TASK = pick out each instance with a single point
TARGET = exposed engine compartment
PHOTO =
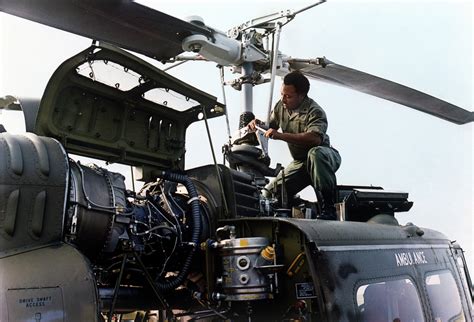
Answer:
(162, 245)
(185, 242)
(163, 233)
(105, 220)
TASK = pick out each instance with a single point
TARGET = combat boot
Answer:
(328, 210)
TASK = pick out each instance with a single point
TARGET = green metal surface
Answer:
(96, 119)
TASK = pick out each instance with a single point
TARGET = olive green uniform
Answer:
(314, 166)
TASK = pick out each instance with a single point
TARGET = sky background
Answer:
(426, 45)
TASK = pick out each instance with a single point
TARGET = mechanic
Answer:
(303, 125)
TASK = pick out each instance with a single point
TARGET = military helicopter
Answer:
(117, 251)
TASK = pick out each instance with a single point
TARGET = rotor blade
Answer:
(121, 22)
(379, 87)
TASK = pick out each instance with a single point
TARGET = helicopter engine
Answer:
(162, 242)
(164, 230)
(106, 221)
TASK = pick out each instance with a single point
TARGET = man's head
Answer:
(294, 89)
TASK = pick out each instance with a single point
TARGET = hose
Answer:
(196, 220)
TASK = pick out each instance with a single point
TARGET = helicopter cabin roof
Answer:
(340, 233)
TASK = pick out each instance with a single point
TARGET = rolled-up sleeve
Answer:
(275, 117)
(316, 121)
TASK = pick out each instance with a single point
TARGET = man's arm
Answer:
(306, 139)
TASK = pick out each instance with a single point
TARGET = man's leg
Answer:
(296, 179)
(322, 164)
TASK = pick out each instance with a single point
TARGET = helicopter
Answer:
(306, 303)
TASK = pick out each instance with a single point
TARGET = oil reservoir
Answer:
(242, 280)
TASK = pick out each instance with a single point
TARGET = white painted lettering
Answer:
(419, 258)
(397, 257)
(410, 258)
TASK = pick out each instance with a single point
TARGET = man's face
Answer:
(290, 98)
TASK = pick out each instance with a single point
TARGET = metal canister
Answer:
(242, 280)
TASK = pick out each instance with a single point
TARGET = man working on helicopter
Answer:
(303, 125)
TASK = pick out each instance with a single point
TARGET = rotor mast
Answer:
(247, 87)
(242, 49)
(271, 24)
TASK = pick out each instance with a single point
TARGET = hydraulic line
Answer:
(196, 220)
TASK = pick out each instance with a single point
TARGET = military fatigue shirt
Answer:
(307, 117)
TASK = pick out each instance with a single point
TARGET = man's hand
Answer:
(308, 139)
(272, 134)
(253, 124)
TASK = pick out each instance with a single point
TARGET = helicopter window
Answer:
(444, 297)
(110, 74)
(391, 301)
(125, 79)
(170, 98)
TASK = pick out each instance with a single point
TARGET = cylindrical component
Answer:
(247, 87)
(268, 254)
(242, 280)
(266, 258)
(95, 197)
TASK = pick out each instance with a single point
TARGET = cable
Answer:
(219, 178)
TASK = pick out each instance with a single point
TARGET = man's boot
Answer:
(328, 210)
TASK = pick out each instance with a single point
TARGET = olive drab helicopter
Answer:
(201, 243)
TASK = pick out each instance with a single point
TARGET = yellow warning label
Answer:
(244, 242)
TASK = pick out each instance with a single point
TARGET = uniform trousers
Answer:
(318, 170)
